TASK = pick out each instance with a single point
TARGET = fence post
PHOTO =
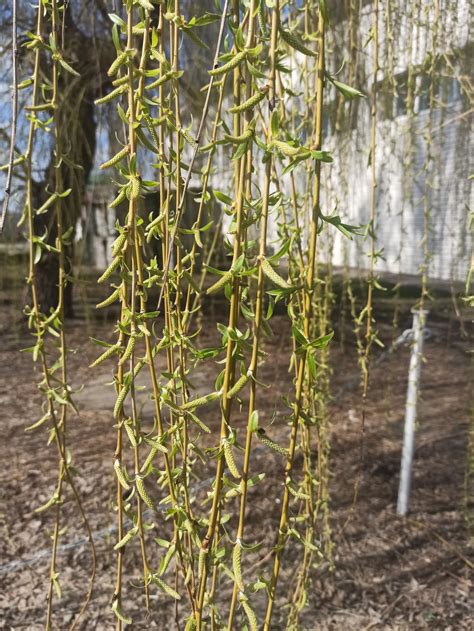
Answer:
(419, 321)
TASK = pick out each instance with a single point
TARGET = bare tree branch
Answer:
(8, 184)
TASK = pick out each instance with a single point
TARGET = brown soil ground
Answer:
(390, 573)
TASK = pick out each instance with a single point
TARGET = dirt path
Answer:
(389, 573)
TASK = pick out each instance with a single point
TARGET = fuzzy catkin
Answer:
(165, 587)
(126, 538)
(272, 275)
(120, 240)
(263, 438)
(251, 617)
(229, 458)
(217, 286)
(299, 495)
(109, 300)
(135, 186)
(119, 61)
(190, 624)
(250, 103)
(119, 199)
(52, 500)
(116, 158)
(290, 151)
(108, 353)
(163, 79)
(128, 350)
(120, 80)
(110, 270)
(116, 608)
(230, 65)
(238, 140)
(237, 564)
(120, 399)
(149, 459)
(120, 475)
(111, 95)
(131, 434)
(261, 17)
(142, 492)
(202, 561)
(238, 385)
(296, 43)
(195, 403)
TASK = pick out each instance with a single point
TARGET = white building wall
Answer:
(409, 183)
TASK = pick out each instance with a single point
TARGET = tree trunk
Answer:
(77, 125)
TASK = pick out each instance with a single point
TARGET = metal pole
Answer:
(419, 320)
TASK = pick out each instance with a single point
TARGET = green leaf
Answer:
(323, 341)
(69, 68)
(253, 421)
(222, 197)
(346, 90)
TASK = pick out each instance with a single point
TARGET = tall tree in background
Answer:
(88, 52)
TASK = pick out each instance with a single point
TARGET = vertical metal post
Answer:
(419, 320)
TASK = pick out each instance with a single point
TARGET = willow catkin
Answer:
(142, 492)
(165, 587)
(149, 459)
(195, 403)
(290, 151)
(120, 399)
(105, 355)
(263, 438)
(116, 158)
(129, 349)
(217, 286)
(126, 538)
(151, 128)
(292, 488)
(202, 561)
(296, 43)
(238, 385)
(120, 240)
(119, 61)
(230, 65)
(109, 300)
(250, 103)
(272, 275)
(190, 624)
(52, 500)
(237, 564)
(160, 81)
(229, 458)
(111, 95)
(110, 270)
(135, 186)
(261, 17)
(244, 137)
(251, 617)
(131, 434)
(121, 475)
(122, 196)
(116, 608)
(120, 80)
(199, 423)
